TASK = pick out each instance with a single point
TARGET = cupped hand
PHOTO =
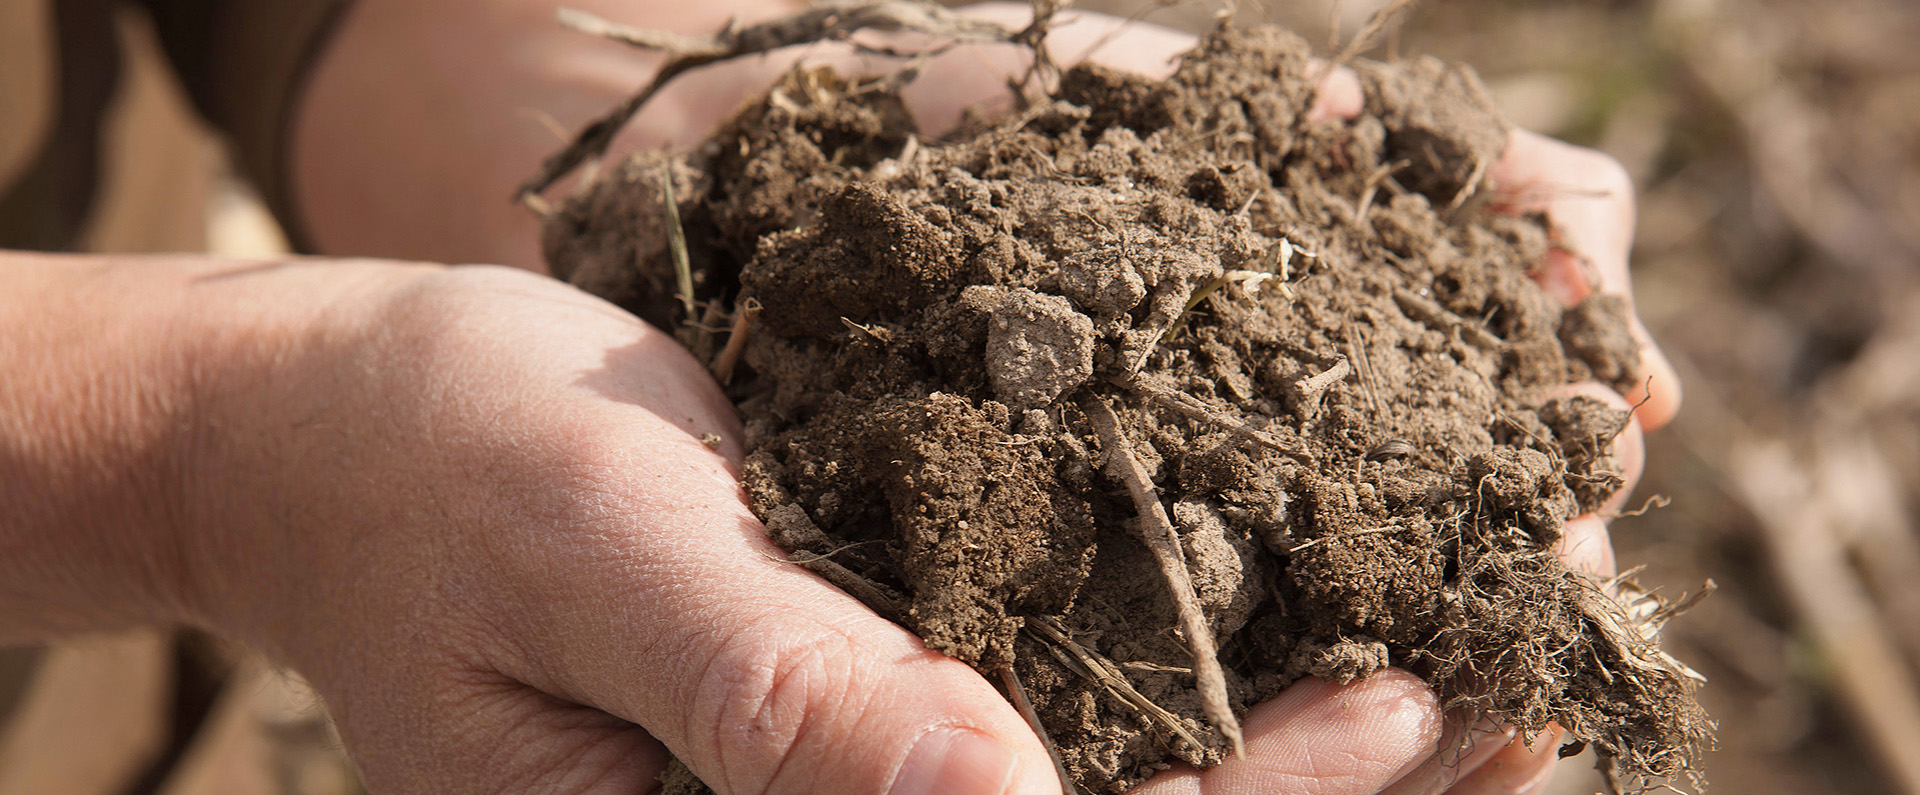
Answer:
(496, 522)
(513, 564)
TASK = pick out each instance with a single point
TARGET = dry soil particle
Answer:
(1327, 359)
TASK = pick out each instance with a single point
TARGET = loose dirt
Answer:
(988, 374)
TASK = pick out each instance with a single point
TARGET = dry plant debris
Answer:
(962, 346)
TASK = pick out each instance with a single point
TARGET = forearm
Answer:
(115, 371)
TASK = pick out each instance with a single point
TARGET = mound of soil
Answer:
(1151, 361)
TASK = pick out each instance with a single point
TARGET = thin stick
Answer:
(1374, 531)
(1358, 353)
(677, 242)
(1334, 10)
(1191, 407)
(1157, 531)
(1436, 316)
(855, 585)
(736, 341)
(1017, 693)
(702, 345)
(1310, 387)
(1087, 663)
(1374, 179)
(1473, 180)
(1364, 38)
(1358, 43)
(790, 527)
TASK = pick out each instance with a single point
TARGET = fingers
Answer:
(557, 521)
(951, 84)
(1317, 738)
(1454, 760)
(1519, 769)
(1340, 96)
(460, 732)
(1589, 198)
(1585, 545)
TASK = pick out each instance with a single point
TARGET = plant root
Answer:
(729, 357)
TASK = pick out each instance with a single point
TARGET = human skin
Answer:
(471, 504)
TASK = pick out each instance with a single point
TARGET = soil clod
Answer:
(1062, 389)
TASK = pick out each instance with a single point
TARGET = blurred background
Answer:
(1776, 146)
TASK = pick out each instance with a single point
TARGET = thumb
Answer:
(757, 674)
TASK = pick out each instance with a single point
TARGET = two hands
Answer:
(473, 507)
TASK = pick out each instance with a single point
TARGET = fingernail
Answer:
(955, 762)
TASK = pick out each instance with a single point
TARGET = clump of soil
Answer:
(1150, 358)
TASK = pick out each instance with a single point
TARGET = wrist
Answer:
(121, 370)
(278, 359)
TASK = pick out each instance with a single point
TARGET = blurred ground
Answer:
(1776, 145)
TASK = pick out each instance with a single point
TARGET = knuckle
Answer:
(760, 699)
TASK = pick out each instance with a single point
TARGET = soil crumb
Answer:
(1334, 368)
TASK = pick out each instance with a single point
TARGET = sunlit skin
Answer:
(472, 505)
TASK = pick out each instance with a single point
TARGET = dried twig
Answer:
(828, 22)
(1192, 408)
(855, 585)
(1034, 36)
(1374, 180)
(1157, 530)
(1364, 38)
(1308, 389)
(677, 242)
(1437, 317)
(1087, 663)
(1472, 185)
(791, 527)
(1369, 380)
(701, 344)
(1372, 531)
(1358, 44)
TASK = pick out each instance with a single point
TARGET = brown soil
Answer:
(1324, 353)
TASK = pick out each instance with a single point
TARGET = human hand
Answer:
(1396, 733)
(422, 117)
(474, 507)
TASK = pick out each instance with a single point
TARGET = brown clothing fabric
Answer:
(243, 62)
